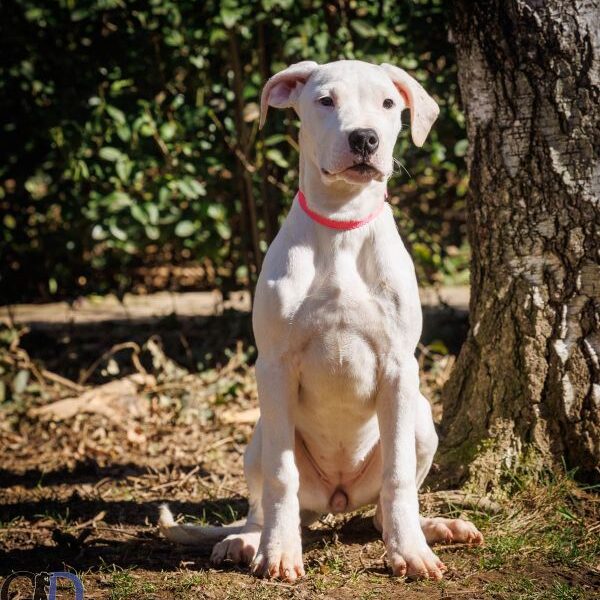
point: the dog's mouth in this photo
(363, 168)
(358, 172)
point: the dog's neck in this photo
(339, 200)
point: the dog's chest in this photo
(342, 297)
(343, 326)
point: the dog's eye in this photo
(326, 101)
(388, 103)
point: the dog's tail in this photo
(193, 535)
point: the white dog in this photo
(337, 319)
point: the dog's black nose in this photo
(363, 141)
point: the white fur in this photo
(337, 319)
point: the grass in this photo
(124, 586)
(62, 519)
(189, 583)
(525, 588)
(544, 516)
(500, 550)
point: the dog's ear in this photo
(423, 108)
(283, 89)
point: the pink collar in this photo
(332, 223)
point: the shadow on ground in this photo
(196, 343)
(141, 546)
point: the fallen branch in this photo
(117, 400)
(463, 500)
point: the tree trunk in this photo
(526, 387)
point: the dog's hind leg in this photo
(241, 546)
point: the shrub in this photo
(131, 133)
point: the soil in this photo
(81, 493)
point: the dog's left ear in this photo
(423, 108)
(283, 89)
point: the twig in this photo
(277, 583)
(62, 381)
(92, 521)
(221, 442)
(177, 483)
(116, 348)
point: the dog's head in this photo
(350, 114)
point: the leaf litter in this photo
(84, 466)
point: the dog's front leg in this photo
(280, 550)
(407, 549)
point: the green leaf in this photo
(409, 62)
(20, 381)
(123, 168)
(223, 229)
(230, 16)
(276, 156)
(81, 171)
(174, 39)
(268, 5)
(98, 233)
(167, 131)
(191, 188)
(117, 115)
(117, 201)
(152, 232)
(217, 35)
(138, 213)
(461, 147)
(186, 189)
(216, 212)
(80, 14)
(120, 84)
(117, 232)
(109, 153)
(438, 347)
(198, 187)
(363, 28)
(124, 132)
(272, 140)
(184, 229)
(147, 129)
(152, 211)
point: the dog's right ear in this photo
(283, 89)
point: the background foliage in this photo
(130, 136)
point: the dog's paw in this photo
(237, 548)
(443, 530)
(417, 563)
(276, 560)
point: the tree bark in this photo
(526, 387)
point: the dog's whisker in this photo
(401, 165)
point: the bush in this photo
(131, 134)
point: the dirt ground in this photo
(103, 420)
